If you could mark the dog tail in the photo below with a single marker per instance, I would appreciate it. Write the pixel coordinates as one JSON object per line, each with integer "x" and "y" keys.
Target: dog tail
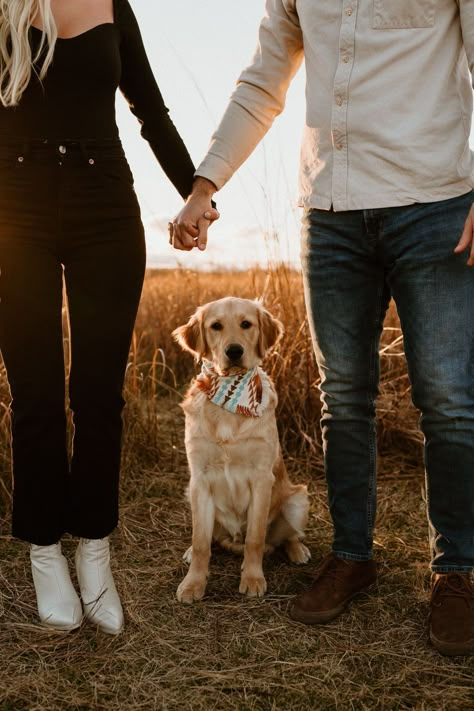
{"x": 229, "y": 545}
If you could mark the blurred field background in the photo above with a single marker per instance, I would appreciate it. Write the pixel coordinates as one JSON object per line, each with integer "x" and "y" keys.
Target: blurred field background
{"x": 228, "y": 652}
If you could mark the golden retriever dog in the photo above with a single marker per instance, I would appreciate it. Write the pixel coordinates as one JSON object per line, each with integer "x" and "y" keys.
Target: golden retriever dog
{"x": 239, "y": 488}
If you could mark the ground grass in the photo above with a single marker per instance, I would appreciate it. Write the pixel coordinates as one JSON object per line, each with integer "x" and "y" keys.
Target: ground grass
{"x": 229, "y": 653}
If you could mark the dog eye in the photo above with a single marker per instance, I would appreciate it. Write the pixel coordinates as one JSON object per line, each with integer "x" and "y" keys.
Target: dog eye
{"x": 245, "y": 324}
{"x": 216, "y": 326}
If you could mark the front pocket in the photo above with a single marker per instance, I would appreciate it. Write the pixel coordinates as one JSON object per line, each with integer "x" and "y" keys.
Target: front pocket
{"x": 403, "y": 14}
{"x": 7, "y": 164}
{"x": 115, "y": 170}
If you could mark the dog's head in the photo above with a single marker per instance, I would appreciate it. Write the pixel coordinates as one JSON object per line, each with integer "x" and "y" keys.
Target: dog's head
{"x": 232, "y": 333}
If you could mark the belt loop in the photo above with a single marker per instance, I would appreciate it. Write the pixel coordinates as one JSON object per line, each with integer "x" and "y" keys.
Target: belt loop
{"x": 83, "y": 145}
{"x": 85, "y": 152}
{"x": 24, "y": 152}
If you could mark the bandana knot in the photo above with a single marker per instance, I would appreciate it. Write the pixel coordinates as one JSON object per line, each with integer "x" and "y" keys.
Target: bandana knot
{"x": 245, "y": 393}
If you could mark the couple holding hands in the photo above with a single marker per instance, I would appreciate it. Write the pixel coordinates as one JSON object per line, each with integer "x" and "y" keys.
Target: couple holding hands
{"x": 386, "y": 185}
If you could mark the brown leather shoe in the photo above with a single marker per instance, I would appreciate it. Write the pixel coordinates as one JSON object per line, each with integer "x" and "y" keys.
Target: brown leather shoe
{"x": 452, "y": 614}
{"x": 335, "y": 584}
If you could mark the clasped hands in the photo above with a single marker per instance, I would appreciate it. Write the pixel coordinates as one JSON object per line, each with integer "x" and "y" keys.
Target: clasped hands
{"x": 189, "y": 228}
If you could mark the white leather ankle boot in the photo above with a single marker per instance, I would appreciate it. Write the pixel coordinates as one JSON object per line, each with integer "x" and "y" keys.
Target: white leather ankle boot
{"x": 100, "y": 599}
{"x": 59, "y": 606}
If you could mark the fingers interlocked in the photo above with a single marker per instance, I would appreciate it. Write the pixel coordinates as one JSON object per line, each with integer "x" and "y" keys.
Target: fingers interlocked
{"x": 183, "y": 235}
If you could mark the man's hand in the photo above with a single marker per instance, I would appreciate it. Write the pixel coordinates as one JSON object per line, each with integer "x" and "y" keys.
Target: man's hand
{"x": 189, "y": 227}
{"x": 467, "y": 238}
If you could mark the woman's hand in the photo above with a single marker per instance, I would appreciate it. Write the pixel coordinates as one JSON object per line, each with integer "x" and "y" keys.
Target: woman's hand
{"x": 467, "y": 238}
{"x": 189, "y": 227}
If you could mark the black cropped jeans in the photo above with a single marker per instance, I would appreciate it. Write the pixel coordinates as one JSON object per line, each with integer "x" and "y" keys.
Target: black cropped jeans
{"x": 68, "y": 211}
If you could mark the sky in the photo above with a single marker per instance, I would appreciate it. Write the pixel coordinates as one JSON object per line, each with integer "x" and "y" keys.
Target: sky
{"x": 197, "y": 50}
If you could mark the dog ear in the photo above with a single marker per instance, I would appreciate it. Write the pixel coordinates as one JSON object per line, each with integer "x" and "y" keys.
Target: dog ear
{"x": 191, "y": 336}
{"x": 270, "y": 331}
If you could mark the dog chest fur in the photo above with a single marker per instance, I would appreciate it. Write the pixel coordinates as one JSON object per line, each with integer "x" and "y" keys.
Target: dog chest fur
{"x": 218, "y": 445}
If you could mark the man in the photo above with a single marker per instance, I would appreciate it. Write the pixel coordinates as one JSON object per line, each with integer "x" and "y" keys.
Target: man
{"x": 386, "y": 182}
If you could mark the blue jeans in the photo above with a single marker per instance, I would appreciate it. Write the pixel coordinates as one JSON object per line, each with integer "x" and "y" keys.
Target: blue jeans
{"x": 353, "y": 262}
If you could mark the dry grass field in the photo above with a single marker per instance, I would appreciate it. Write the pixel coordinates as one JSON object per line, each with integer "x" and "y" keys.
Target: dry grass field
{"x": 228, "y": 653}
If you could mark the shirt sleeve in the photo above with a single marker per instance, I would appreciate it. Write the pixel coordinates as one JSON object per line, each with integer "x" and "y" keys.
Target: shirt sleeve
{"x": 139, "y": 87}
{"x": 260, "y": 93}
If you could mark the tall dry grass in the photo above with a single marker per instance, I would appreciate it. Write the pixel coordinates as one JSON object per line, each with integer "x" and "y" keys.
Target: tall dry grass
{"x": 229, "y": 653}
{"x": 159, "y": 369}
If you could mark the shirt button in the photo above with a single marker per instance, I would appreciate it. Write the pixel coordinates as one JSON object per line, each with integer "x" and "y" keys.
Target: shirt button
{"x": 62, "y": 149}
{"x": 339, "y": 146}
{"x": 20, "y": 159}
{"x": 339, "y": 100}
{"x": 349, "y": 11}
{"x": 346, "y": 59}
{"x": 91, "y": 161}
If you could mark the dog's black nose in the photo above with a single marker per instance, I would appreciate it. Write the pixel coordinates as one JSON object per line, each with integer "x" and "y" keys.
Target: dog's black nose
{"x": 234, "y": 352}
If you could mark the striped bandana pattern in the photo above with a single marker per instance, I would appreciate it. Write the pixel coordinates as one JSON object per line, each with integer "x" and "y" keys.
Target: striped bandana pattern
{"x": 245, "y": 393}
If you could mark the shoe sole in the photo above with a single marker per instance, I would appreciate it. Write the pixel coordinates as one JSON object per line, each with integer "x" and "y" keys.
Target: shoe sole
{"x": 452, "y": 649}
{"x": 321, "y": 617}
{"x": 59, "y": 628}
{"x": 105, "y": 630}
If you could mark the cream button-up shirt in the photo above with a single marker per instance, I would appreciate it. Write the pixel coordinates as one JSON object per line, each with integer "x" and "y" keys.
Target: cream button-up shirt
{"x": 388, "y": 100}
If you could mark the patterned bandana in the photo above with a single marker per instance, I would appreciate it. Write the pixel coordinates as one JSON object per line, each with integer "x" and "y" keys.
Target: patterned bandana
{"x": 246, "y": 393}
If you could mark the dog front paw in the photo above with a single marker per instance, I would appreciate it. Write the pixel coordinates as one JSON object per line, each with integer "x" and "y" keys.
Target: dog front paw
{"x": 253, "y": 585}
{"x": 191, "y": 589}
{"x": 297, "y": 552}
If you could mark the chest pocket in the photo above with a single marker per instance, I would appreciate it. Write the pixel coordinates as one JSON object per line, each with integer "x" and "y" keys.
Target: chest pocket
{"x": 403, "y": 14}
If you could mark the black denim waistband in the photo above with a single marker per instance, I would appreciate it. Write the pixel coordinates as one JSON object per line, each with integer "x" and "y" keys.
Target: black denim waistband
{"x": 105, "y": 148}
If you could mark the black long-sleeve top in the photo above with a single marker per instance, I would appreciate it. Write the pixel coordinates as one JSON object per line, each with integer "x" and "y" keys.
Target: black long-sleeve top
{"x": 76, "y": 100}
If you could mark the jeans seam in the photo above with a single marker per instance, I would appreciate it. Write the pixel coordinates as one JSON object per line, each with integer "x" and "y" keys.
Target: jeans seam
{"x": 373, "y": 445}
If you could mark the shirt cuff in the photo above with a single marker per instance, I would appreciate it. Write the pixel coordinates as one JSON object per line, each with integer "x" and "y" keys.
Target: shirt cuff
{"x": 215, "y": 169}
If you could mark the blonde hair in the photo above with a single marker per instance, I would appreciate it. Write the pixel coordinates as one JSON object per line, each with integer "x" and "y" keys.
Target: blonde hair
{"x": 16, "y": 58}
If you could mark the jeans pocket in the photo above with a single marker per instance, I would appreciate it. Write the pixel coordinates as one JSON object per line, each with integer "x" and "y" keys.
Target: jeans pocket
{"x": 8, "y": 164}
{"x": 114, "y": 171}
{"x": 403, "y": 14}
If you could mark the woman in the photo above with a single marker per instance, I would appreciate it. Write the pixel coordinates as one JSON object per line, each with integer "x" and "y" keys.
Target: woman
{"x": 67, "y": 207}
